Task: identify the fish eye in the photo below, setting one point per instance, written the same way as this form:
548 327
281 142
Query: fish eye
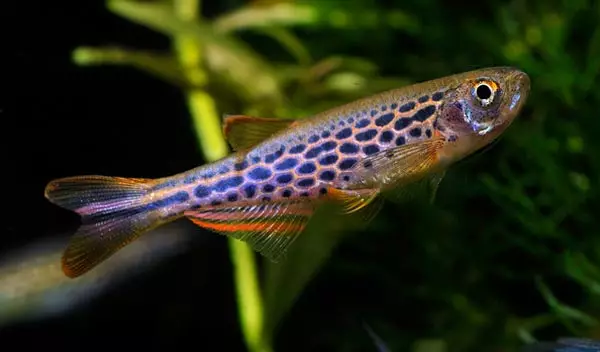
485 91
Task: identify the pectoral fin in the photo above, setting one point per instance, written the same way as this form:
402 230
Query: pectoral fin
400 165
364 202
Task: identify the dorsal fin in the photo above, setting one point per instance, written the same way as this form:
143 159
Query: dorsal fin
243 132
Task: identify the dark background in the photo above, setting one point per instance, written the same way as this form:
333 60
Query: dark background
463 272
63 120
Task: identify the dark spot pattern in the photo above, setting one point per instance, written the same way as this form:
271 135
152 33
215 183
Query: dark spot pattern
351 120
313 152
327 175
384 119
307 168
349 148
394 106
178 197
402 123
323 190
268 188
366 135
400 140
256 159
428 133
189 179
330 145
286 164
223 170
423 99
274 156
437 96
306 182
240 166
285 178
259 173
232 197
304 194
363 123
286 193
208 175
297 149
326 134
227 183
328 159
371 149
266 199
345 133
415 132
214 203
386 136
250 190
201 191
383 107
424 113
374 113
407 107
313 139
346 164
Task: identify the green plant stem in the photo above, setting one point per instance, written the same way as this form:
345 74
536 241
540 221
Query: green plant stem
208 131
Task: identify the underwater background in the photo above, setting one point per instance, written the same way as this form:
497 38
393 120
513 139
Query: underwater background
508 254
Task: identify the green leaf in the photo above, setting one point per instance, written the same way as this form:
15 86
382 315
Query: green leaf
163 66
563 311
232 59
267 16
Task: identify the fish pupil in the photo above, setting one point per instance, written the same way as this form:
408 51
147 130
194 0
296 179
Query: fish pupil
483 92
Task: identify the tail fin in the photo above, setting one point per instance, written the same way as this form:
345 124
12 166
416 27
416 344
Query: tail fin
112 212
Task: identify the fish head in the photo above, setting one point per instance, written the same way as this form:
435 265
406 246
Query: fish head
478 107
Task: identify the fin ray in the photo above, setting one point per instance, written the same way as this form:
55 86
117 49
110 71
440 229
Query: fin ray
399 165
366 203
269 228
112 216
243 132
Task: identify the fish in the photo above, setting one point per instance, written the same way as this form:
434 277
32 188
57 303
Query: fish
282 169
570 344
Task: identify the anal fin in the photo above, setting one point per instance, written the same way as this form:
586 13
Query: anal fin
269 228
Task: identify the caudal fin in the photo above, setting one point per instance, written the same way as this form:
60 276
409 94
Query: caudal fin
113 214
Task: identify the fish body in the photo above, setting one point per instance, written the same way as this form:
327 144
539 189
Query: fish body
282 169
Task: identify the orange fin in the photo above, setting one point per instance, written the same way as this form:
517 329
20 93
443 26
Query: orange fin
269 228
400 165
243 132
112 212
365 202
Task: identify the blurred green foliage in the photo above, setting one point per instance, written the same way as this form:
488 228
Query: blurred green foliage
510 251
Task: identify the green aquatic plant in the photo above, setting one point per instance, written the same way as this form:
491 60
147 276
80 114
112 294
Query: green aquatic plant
513 228
207 54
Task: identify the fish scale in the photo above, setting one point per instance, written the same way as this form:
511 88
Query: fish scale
282 169
314 157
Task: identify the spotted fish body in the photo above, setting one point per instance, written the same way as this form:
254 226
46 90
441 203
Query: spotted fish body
265 192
